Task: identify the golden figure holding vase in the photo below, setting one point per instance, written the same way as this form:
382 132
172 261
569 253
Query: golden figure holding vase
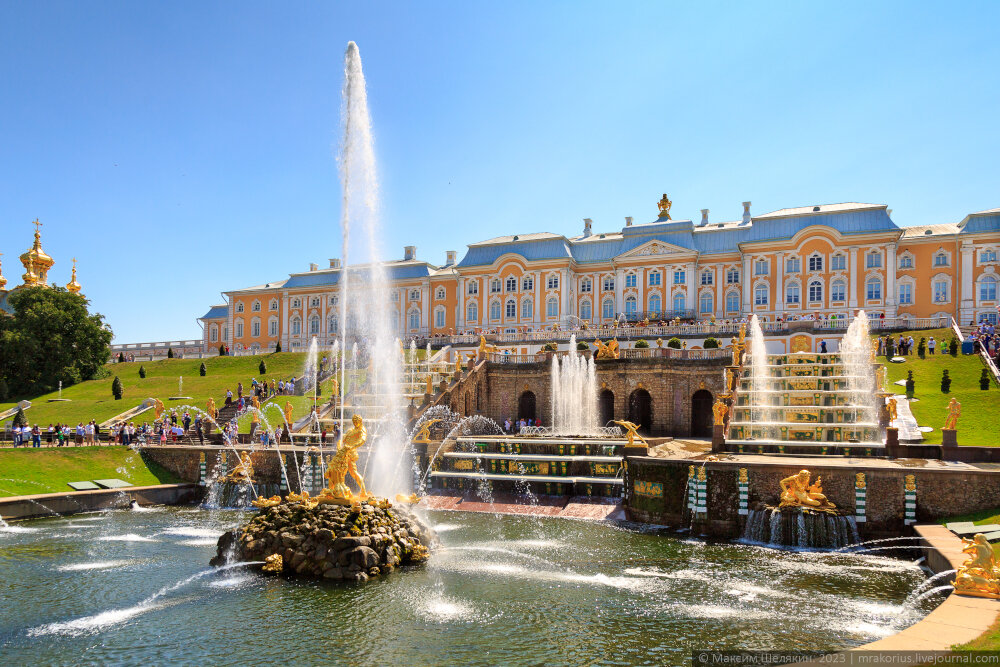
797 492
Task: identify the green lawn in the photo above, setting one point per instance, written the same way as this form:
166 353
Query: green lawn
32 471
977 425
93 399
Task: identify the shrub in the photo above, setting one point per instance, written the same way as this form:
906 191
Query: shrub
121 357
641 345
984 380
549 347
203 369
117 389
262 367
277 347
910 384
922 347
953 347
711 343
19 418
170 353
945 382
579 346
142 372
222 350
674 342
4 390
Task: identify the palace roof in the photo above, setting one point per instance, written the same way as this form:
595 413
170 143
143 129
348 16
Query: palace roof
215 312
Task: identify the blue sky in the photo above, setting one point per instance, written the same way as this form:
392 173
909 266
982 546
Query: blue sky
180 149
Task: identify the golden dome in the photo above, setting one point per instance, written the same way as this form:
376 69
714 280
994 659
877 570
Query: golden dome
36 262
3 281
72 285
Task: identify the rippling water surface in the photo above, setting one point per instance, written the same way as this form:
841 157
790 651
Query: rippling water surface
135 588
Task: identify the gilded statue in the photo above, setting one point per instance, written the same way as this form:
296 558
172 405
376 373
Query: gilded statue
210 407
458 364
255 402
879 377
158 408
607 350
334 388
344 462
631 433
263 502
797 492
978 574
890 407
429 388
721 411
404 499
485 349
301 498
664 205
242 472
288 412
273 564
424 434
954 411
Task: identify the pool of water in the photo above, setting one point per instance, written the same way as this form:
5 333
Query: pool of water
134 587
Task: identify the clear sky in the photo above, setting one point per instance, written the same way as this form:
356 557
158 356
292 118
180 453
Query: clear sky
178 149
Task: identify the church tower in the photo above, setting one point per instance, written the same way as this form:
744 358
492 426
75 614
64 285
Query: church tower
36 262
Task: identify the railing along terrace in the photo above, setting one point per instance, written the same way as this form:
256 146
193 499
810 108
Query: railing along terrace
627 353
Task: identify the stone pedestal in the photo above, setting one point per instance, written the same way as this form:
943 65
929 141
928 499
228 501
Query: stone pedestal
949 444
892 442
718 438
636 450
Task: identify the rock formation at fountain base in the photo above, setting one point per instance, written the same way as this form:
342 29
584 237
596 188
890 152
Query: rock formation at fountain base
329 541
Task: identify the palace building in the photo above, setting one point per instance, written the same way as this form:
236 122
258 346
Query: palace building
36 270
819 261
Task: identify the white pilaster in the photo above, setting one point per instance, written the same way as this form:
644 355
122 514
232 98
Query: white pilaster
747 279
965 276
619 291
689 271
720 291
779 277
852 295
460 315
890 280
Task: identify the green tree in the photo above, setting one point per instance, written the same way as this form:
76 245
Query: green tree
19 418
142 372
51 337
984 380
170 353
203 369
922 347
262 368
277 347
641 345
945 382
910 384
222 350
117 389
674 343
953 347
711 343
582 346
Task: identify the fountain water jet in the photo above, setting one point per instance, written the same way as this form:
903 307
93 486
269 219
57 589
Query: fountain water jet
574 393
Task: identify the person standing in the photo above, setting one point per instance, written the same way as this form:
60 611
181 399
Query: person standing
36 436
88 432
822 346
49 434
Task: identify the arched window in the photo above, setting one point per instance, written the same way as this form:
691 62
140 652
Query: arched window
608 309
255 307
680 303
906 261
255 327
705 302
527 309
873 289
793 265
654 303
314 325
495 310
414 318
941 259
273 305
760 295
272 326
988 289
511 284
905 294
510 308
815 291
552 307
732 302
838 291
940 290
630 306
472 312
585 311
793 294
239 307
439 317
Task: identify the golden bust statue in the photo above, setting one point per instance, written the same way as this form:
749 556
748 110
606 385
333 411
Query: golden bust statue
664 204
344 462
954 411
797 492
721 411
978 574
424 434
631 433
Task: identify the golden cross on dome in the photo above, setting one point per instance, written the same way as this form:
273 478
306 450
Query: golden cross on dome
37 225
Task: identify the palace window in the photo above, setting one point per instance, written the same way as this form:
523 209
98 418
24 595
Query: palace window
273 305
511 284
609 284
552 307
873 260
314 302
941 259
414 317
527 309
705 302
838 291
239 328
815 262
414 295
296 326
815 291
255 328
314 325
608 309
906 262
585 309
225 333
629 280
630 306
239 307
333 299
792 294
680 302
586 286
905 294
473 287
760 295
732 276
439 293
472 312
838 262
988 255
495 286
214 334
706 277
654 278
255 307
552 282
527 283
733 302
680 276
989 317
511 309
439 317
873 287
760 267
654 303
296 303
495 311
940 291
331 324
988 289
793 265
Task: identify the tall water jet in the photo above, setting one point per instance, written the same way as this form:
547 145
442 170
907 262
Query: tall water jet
857 357
758 375
366 299
574 393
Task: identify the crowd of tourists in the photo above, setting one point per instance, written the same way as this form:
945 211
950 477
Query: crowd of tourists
985 337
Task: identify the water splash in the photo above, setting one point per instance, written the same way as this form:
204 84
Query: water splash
574 393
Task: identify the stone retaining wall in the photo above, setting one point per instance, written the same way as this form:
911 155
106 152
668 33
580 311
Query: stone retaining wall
29 507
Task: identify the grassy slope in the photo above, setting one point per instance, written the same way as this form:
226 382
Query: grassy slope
93 399
976 426
31 471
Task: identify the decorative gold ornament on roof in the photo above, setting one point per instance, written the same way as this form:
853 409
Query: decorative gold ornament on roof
36 262
664 205
3 281
73 286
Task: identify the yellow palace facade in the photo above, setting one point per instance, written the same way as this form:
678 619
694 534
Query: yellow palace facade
814 261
